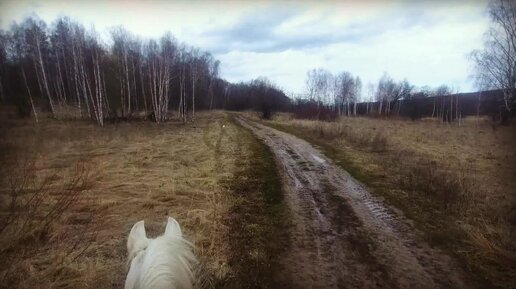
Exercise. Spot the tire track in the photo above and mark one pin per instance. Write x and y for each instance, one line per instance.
(343, 237)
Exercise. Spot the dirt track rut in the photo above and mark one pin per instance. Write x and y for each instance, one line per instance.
(342, 236)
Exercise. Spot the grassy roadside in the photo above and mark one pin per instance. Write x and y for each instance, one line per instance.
(213, 176)
(258, 219)
(133, 171)
(442, 219)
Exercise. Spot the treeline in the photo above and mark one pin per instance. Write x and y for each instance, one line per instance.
(259, 94)
(342, 92)
(65, 65)
(446, 106)
(329, 96)
(70, 71)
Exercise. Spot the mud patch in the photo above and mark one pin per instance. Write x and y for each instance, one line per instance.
(344, 237)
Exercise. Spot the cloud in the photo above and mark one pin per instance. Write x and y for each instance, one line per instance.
(423, 41)
(272, 29)
(426, 46)
(251, 31)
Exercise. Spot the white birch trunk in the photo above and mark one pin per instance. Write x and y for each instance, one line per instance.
(30, 96)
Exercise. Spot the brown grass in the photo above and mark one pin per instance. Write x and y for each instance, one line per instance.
(136, 171)
(259, 219)
(456, 182)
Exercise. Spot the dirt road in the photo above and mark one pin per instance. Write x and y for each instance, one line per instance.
(342, 236)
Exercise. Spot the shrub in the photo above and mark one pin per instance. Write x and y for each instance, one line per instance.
(31, 212)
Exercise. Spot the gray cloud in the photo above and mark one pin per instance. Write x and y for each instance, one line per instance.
(283, 39)
(257, 31)
(252, 31)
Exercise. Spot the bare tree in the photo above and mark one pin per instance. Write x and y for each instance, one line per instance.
(160, 59)
(496, 63)
(30, 95)
(389, 92)
(384, 91)
(194, 75)
(97, 94)
(440, 95)
(69, 65)
(19, 50)
(212, 75)
(357, 93)
(370, 96)
(4, 38)
(482, 84)
(37, 40)
(346, 91)
(334, 92)
(318, 84)
(311, 84)
(121, 46)
(183, 59)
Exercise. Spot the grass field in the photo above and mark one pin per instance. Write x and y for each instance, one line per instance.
(457, 182)
(114, 176)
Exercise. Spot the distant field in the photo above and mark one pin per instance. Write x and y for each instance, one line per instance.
(115, 176)
(457, 182)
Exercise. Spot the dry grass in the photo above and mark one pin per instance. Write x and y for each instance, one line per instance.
(259, 220)
(137, 170)
(457, 182)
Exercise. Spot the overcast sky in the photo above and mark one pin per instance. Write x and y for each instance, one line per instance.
(426, 42)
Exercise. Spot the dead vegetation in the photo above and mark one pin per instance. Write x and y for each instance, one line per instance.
(85, 186)
(456, 182)
(31, 208)
(258, 220)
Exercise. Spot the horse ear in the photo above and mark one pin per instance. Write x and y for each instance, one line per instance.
(137, 239)
(173, 229)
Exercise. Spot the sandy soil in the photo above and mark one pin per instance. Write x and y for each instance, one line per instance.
(344, 237)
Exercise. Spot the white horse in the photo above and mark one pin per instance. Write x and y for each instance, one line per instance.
(162, 263)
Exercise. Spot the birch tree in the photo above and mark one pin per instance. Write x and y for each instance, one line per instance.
(194, 75)
(357, 93)
(121, 45)
(370, 97)
(318, 84)
(214, 67)
(346, 91)
(160, 60)
(96, 87)
(389, 92)
(496, 63)
(36, 38)
(68, 65)
(19, 51)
